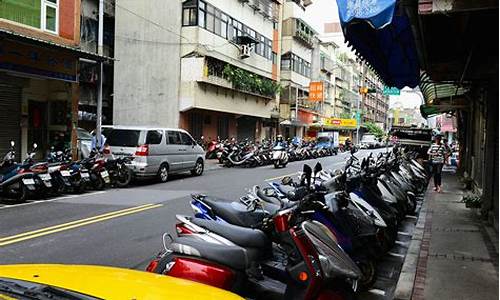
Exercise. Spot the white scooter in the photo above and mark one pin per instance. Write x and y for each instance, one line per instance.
(280, 156)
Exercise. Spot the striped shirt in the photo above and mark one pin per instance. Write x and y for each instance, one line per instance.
(437, 153)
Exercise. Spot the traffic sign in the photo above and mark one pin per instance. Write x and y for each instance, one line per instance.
(391, 91)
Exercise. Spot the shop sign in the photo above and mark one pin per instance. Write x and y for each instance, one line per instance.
(335, 122)
(316, 91)
(37, 61)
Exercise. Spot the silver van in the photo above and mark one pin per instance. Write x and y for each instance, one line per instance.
(158, 152)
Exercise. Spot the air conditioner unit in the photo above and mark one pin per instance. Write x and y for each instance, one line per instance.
(245, 51)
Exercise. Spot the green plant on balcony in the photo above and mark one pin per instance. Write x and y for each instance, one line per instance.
(249, 82)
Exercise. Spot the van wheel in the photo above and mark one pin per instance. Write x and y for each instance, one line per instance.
(163, 173)
(198, 168)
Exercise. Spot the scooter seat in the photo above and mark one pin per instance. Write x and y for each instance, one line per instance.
(232, 256)
(244, 237)
(235, 213)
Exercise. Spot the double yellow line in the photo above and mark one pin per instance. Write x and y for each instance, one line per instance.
(74, 224)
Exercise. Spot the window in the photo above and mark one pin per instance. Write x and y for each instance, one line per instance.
(186, 139)
(50, 14)
(210, 25)
(189, 16)
(216, 21)
(285, 61)
(41, 14)
(174, 138)
(154, 137)
(123, 138)
(275, 58)
(202, 15)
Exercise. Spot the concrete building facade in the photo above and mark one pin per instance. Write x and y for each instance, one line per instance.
(147, 68)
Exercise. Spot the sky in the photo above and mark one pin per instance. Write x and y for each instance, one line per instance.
(325, 11)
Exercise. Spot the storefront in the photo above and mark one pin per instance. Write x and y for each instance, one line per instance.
(39, 93)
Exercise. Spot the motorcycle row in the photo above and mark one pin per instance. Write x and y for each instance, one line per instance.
(247, 154)
(318, 237)
(59, 174)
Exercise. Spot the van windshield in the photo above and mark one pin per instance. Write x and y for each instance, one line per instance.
(324, 139)
(123, 138)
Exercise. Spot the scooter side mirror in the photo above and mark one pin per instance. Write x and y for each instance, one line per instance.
(318, 168)
(287, 180)
(12, 143)
(307, 172)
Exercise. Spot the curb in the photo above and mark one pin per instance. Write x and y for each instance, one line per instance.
(406, 281)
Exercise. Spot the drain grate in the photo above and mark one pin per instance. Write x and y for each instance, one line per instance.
(459, 257)
(448, 229)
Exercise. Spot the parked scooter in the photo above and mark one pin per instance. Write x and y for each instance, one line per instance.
(15, 182)
(289, 257)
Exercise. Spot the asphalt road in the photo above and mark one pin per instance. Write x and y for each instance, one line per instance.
(120, 227)
(124, 227)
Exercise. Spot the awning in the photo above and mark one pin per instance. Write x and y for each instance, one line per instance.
(380, 33)
(11, 35)
(435, 90)
(441, 97)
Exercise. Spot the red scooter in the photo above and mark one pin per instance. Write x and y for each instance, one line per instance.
(212, 149)
(304, 262)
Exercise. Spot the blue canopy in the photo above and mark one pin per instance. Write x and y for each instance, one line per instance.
(381, 35)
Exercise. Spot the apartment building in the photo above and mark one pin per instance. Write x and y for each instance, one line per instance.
(298, 41)
(374, 106)
(211, 67)
(39, 58)
(230, 68)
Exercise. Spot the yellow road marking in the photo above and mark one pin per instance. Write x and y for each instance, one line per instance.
(279, 177)
(78, 223)
(71, 223)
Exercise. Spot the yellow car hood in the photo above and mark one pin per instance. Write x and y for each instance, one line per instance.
(113, 283)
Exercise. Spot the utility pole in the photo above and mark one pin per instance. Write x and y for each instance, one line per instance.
(360, 99)
(100, 36)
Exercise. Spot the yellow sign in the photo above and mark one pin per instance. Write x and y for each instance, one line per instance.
(335, 122)
(37, 61)
(316, 91)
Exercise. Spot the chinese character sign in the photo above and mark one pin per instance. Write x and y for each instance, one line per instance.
(334, 122)
(316, 91)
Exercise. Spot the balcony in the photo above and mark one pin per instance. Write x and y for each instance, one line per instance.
(299, 30)
(327, 64)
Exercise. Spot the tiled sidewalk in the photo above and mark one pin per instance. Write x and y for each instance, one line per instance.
(458, 259)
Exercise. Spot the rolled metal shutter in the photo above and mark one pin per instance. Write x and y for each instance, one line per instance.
(10, 118)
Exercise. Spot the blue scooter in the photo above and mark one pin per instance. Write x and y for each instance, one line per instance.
(15, 181)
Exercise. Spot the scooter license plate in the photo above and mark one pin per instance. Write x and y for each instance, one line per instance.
(28, 181)
(47, 183)
(84, 175)
(45, 177)
(104, 174)
(65, 173)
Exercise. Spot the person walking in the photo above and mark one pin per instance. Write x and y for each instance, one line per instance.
(438, 153)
